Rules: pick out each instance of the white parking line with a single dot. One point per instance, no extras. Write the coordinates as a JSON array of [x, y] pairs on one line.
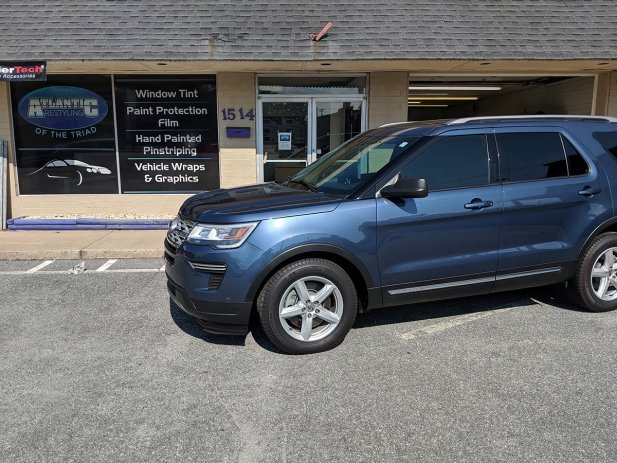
[[106, 265], [135, 270], [39, 267], [63, 272], [448, 324]]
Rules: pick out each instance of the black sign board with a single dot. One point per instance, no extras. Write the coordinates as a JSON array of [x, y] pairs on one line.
[[64, 135], [167, 134], [23, 70]]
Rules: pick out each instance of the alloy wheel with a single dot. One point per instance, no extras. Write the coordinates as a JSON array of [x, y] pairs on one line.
[[311, 308], [604, 275]]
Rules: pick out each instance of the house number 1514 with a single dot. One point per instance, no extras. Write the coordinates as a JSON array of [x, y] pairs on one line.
[[230, 114]]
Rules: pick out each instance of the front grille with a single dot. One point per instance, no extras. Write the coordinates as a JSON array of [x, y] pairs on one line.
[[216, 270], [215, 280], [178, 235], [209, 267]]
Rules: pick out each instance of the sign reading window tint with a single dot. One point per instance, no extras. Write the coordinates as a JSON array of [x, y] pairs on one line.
[[532, 155], [452, 162], [167, 134], [64, 135]]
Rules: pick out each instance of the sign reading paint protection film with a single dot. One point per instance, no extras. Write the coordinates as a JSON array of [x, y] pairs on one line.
[[167, 134], [163, 138]]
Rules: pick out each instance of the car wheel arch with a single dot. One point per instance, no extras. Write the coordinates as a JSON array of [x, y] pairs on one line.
[[351, 264], [609, 225]]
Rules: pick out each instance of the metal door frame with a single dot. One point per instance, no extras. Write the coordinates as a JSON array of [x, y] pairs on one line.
[[337, 99], [311, 122]]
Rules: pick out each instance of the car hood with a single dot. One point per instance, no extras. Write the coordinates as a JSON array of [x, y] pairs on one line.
[[255, 202]]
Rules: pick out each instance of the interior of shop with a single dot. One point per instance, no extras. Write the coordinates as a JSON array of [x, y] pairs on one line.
[[446, 97]]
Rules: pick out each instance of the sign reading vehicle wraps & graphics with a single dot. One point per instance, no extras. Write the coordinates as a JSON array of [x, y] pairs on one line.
[[167, 134]]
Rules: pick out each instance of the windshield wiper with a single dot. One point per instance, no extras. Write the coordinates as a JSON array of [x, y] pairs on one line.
[[305, 184]]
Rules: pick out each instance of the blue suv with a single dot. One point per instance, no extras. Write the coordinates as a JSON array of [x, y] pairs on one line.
[[405, 213]]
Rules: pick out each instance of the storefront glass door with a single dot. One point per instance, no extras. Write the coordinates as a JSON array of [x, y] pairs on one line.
[[285, 138], [297, 131], [336, 122]]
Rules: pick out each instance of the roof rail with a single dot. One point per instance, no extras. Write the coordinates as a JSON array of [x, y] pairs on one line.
[[429, 122], [392, 123], [535, 117]]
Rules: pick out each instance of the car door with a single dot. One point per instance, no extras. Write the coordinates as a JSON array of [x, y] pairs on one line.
[[446, 244], [553, 193]]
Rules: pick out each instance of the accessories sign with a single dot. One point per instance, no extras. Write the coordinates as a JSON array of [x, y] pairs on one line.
[[23, 70]]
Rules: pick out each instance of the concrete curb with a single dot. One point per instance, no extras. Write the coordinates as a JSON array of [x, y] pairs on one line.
[[73, 254], [101, 244]]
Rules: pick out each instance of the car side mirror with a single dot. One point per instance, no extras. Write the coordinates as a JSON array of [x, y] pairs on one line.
[[406, 188]]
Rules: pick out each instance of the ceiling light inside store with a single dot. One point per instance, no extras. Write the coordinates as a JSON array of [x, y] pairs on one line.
[[414, 102], [442, 98], [427, 105], [456, 88]]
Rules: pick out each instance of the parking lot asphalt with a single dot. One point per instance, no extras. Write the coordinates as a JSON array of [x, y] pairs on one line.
[[99, 367]]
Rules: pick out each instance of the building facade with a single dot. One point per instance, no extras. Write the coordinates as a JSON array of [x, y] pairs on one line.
[[148, 102]]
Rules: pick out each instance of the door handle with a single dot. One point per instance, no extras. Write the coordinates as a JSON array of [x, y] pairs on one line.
[[589, 191], [477, 204]]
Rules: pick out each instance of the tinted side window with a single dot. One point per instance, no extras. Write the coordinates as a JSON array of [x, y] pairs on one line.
[[608, 140], [452, 162], [576, 163], [532, 155]]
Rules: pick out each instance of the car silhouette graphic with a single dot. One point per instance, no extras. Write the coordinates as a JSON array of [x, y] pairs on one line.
[[71, 169]]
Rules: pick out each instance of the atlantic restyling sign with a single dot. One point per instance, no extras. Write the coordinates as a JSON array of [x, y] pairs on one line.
[[23, 70], [62, 108]]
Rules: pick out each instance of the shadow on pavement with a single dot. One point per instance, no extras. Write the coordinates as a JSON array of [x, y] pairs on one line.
[[548, 295], [554, 296]]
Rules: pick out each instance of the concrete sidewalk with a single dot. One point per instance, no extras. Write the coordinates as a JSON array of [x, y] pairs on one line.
[[26, 245]]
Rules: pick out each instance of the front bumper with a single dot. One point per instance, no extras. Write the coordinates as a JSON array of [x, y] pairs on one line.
[[215, 318], [214, 285]]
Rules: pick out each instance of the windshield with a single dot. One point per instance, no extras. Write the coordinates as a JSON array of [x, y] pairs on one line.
[[356, 162]]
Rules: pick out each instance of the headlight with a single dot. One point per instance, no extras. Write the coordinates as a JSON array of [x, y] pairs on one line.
[[221, 236], [173, 224]]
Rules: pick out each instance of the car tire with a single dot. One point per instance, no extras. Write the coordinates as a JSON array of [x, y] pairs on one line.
[[308, 306], [594, 286]]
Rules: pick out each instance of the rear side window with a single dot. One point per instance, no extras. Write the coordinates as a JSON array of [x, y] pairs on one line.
[[576, 163], [532, 155], [608, 140], [452, 162]]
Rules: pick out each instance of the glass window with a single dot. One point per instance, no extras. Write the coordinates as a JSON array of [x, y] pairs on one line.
[[357, 161], [608, 140], [576, 162], [532, 155], [452, 162], [66, 118]]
